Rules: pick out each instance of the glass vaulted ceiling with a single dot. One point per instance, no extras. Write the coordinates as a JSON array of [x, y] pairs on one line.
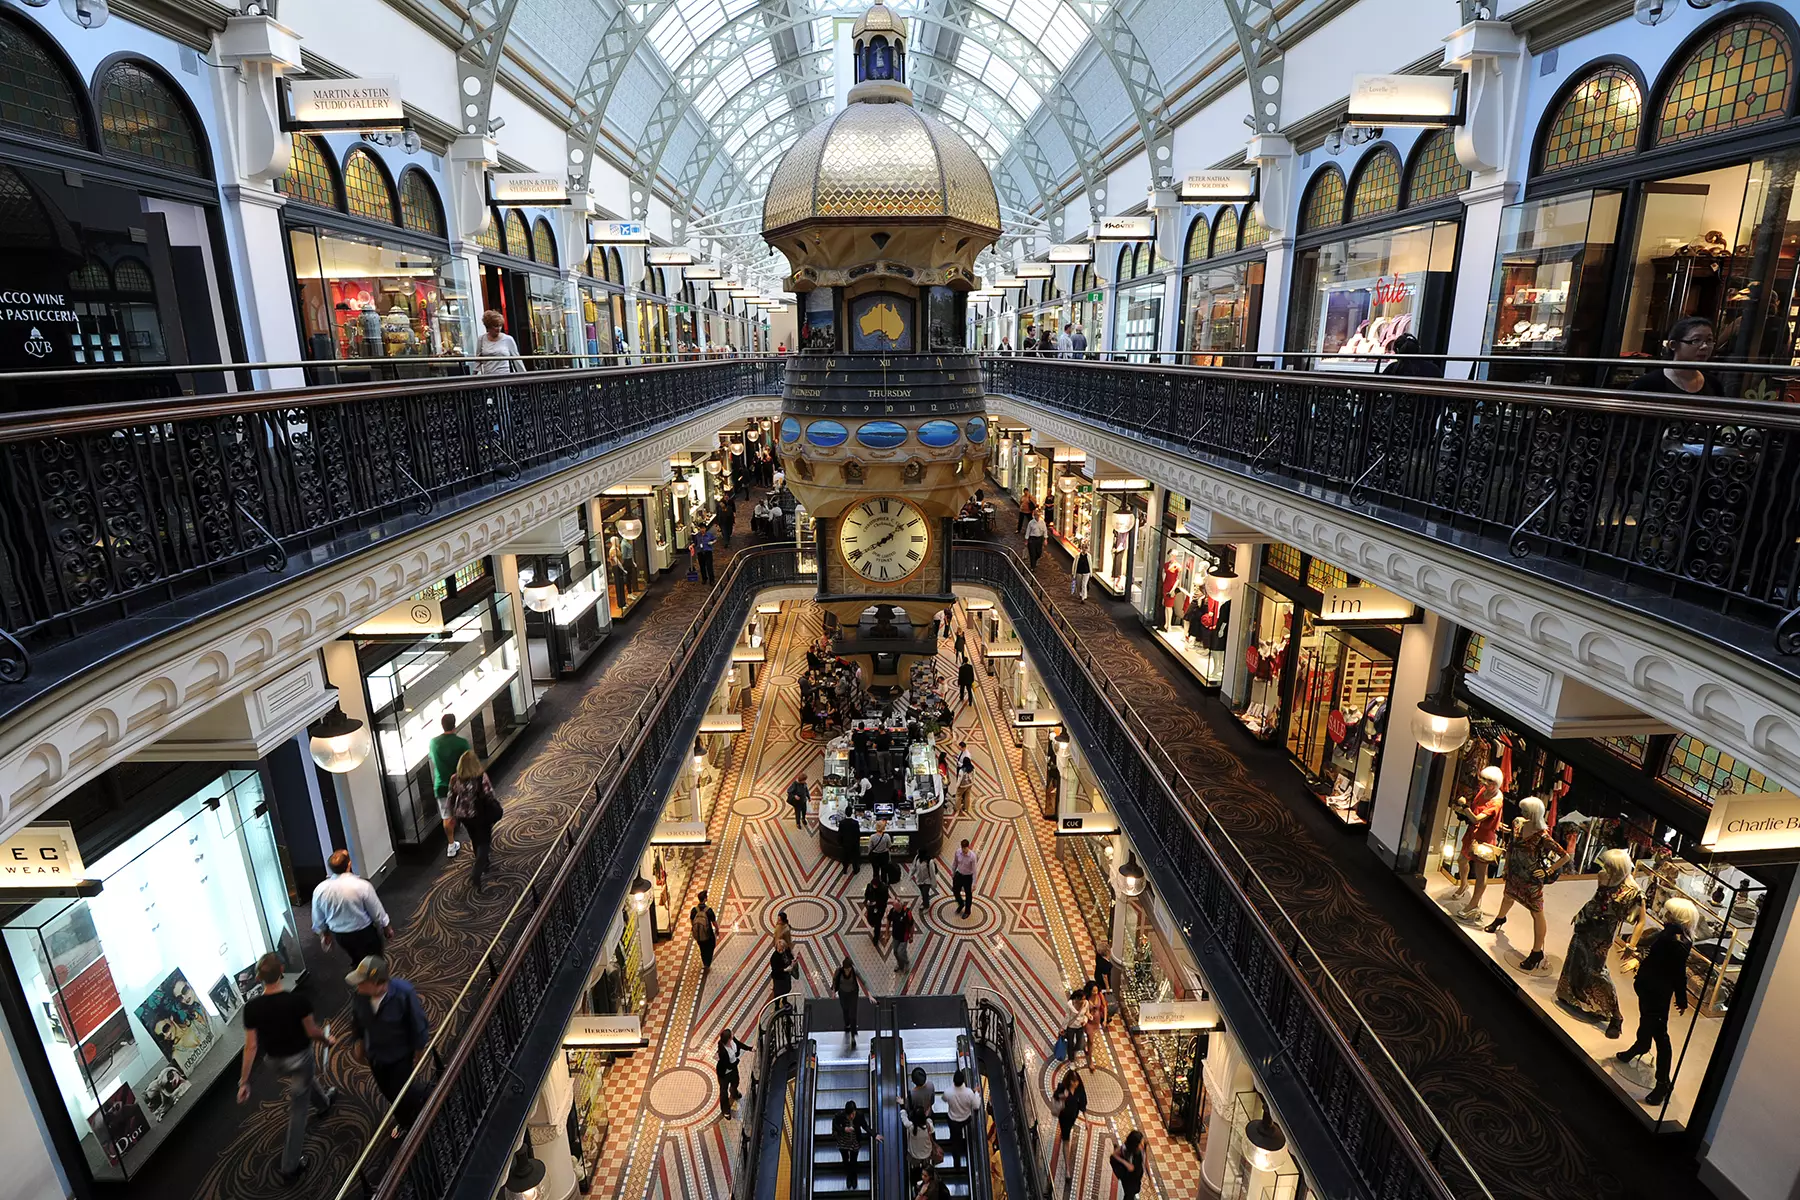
[[756, 74]]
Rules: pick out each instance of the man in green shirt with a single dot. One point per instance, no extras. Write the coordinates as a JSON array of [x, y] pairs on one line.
[[445, 749]]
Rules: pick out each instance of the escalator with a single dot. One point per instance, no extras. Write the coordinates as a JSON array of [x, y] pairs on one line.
[[832, 1072], [932, 1035]]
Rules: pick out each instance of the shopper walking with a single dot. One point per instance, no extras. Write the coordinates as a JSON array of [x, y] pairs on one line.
[[279, 1025], [703, 553], [472, 801], [799, 797], [850, 841], [1027, 506], [726, 1069], [1075, 1027], [848, 988], [704, 923], [875, 902], [960, 1102], [1127, 1163], [1035, 532], [1078, 581], [1052, 786], [445, 751], [1068, 1101], [965, 785], [388, 1022], [495, 351], [346, 910], [850, 1128], [1095, 1000], [965, 678], [924, 877], [962, 878], [881, 850], [781, 971], [784, 932], [726, 518], [900, 932], [921, 1145]]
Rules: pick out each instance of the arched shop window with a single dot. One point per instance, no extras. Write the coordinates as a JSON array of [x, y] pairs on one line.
[[309, 178], [616, 266], [1324, 205], [1598, 120], [543, 243], [1254, 233], [1146, 262], [1198, 240], [419, 208], [1377, 185], [488, 237], [518, 238], [144, 119], [366, 190], [37, 97], [1225, 232], [1737, 77], [1436, 174]]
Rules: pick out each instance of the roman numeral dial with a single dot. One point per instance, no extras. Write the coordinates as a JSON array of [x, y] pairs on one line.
[[884, 539]]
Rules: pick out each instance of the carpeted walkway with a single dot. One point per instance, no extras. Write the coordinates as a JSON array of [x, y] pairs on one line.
[[1535, 1122]]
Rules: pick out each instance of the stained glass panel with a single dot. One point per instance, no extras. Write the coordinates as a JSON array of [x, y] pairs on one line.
[[36, 98], [1198, 240], [1377, 186], [518, 239], [1471, 662], [418, 203], [1322, 575], [1254, 233], [1225, 232], [366, 188], [131, 275], [1599, 120], [1633, 747], [1436, 173], [309, 178], [1324, 202], [1738, 78], [543, 243], [489, 237], [142, 119], [1705, 771], [1284, 558], [91, 276]]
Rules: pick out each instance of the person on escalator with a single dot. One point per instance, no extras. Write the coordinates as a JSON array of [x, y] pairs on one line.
[[850, 1127], [921, 1147], [920, 1097], [848, 988], [961, 1101]]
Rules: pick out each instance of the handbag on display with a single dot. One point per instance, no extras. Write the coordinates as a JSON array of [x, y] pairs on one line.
[[1543, 873], [1485, 851]]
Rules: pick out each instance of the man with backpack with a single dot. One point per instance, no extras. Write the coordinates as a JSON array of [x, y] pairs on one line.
[[900, 925], [705, 924]]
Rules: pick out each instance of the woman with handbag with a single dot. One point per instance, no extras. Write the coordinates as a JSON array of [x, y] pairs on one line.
[[1479, 844], [472, 802], [1533, 859]]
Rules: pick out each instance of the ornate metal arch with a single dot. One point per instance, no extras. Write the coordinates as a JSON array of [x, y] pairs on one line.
[[1107, 24], [478, 61], [1254, 23]]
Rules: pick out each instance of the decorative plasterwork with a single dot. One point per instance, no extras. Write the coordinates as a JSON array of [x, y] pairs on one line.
[[122, 708], [1658, 669]]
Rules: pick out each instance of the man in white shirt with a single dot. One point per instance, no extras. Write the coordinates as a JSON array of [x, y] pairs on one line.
[[961, 1102], [1065, 344], [345, 909], [1035, 532]]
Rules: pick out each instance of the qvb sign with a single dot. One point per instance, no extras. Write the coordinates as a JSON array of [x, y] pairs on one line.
[[1364, 605], [38, 328], [372, 103]]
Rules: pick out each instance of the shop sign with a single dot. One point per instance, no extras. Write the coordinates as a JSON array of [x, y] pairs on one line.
[[624, 233], [409, 618], [1124, 229], [1071, 252], [1753, 821], [1365, 605], [669, 256], [38, 328], [1094, 297], [1422, 100], [1335, 727], [372, 103], [42, 857], [613, 1032], [1009, 281], [1391, 289], [1205, 187], [526, 187], [1169, 1016], [1041, 270], [702, 271]]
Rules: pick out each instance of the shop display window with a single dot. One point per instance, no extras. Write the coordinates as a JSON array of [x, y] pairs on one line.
[[1178, 608], [135, 991], [1071, 517], [544, 311], [597, 325], [563, 638], [1269, 631], [1341, 688], [1549, 294], [1149, 974], [1116, 529], [944, 326], [1089, 871], [1137, 321], [362, 299], [625, 533], [1354, 299], [1596, 931], [1221, 309]]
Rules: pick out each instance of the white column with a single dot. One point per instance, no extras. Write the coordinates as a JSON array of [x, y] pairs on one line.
[[509, 583], [547, 1128], [266, 290], [360, 799], [1422, 650], [1271, 336], [1237, 629], [1475, 274], [1224, 1067]]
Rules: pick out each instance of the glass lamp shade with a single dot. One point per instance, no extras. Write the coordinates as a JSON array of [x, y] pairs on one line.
[[640, 894], [1439, 726], [339, 743], [1219, 583], [752, 434], [712, 465], [539, 597], [1266, 1144], [1067, 484], [1131, 877], [1123, 521], [630, 528]]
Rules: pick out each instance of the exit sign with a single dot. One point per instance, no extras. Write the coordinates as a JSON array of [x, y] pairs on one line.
[[679, 310], [1093, 297]]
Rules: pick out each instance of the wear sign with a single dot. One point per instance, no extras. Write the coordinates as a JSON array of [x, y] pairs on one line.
[[372, 103], [1759, 821], [41, 855]]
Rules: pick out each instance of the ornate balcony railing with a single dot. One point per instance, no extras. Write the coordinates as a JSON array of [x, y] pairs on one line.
[[113, 510], [1694, 505]]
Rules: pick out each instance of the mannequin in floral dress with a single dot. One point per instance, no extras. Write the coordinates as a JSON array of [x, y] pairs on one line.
[[1586, 983]]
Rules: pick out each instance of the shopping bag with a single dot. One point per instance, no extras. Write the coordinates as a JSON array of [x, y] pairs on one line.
[[1060, 1051]]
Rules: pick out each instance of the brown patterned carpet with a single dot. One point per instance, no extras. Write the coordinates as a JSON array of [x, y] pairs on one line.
[[228, 1152], [1535, 1123]]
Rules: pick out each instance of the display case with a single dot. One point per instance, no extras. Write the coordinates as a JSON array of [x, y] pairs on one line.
[[1550, 283], [1258, 702], [136, 991]]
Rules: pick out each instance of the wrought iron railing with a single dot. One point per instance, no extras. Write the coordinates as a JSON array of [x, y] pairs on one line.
[[530, 977], [113, 510], [1694, 504], [777, 1028], [981, 1183], [805, 1105], [1384, 1129], [995, 1029]]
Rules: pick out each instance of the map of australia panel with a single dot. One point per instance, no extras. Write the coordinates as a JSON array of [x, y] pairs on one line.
[[881, 322]]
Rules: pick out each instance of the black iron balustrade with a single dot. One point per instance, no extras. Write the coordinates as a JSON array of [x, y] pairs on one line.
[[111, 511], [1694, 500], [1381, 1126], [995, 1030], [777, 1034]]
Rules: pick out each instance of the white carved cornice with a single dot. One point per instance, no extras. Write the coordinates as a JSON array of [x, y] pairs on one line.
[[103, 717], [1665, 672]]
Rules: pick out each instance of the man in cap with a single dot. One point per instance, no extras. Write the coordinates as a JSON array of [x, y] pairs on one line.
[[391, 1034]]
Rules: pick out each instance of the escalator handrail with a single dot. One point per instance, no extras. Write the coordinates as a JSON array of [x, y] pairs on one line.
[[805, 1101], [981, 1183], [1002, 1039], [887, 1161], [777, 1032]]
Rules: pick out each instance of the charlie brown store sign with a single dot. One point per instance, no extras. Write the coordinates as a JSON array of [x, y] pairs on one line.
[[1753, 821]]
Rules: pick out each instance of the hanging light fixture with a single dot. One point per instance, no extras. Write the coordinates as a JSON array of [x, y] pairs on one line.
[[1132, 880], [540, 597], [1439, 723], [1122, 521], [526, 1174], [640, 894], [630, 528], [1266, 1141], [712, 466], [340, 743], [752, 433], [1219, 584], [1067, 484]]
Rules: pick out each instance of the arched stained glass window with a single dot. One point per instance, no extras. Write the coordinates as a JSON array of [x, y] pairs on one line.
[[91, 276], [1225, 232], [489, 237], [1598, 120], [1377, 185], [366, 190], [1324, 201], [309, 177], [131, 275], [1127, 261], [1740, 77], [543, 243], [1143, 266], [419, 209], [1254, 233], [143, 119], [617, 272], [1198, 241], [518, 238], [1436, 173], [37, 98]]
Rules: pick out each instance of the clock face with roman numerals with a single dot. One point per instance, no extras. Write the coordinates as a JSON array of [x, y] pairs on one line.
[[884, 538]]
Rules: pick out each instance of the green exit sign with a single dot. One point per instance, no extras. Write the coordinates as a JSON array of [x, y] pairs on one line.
[[680, 310], [1093, 297]]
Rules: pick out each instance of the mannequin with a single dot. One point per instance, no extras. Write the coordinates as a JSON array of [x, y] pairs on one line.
[[1586, 985], [1532, 861], [1482, 812], [1662, 977]]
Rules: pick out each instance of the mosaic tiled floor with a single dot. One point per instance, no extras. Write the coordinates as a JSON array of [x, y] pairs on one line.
[[1019, 943]]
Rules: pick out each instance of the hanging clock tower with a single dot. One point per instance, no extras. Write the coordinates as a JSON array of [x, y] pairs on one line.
[[880, 212]]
